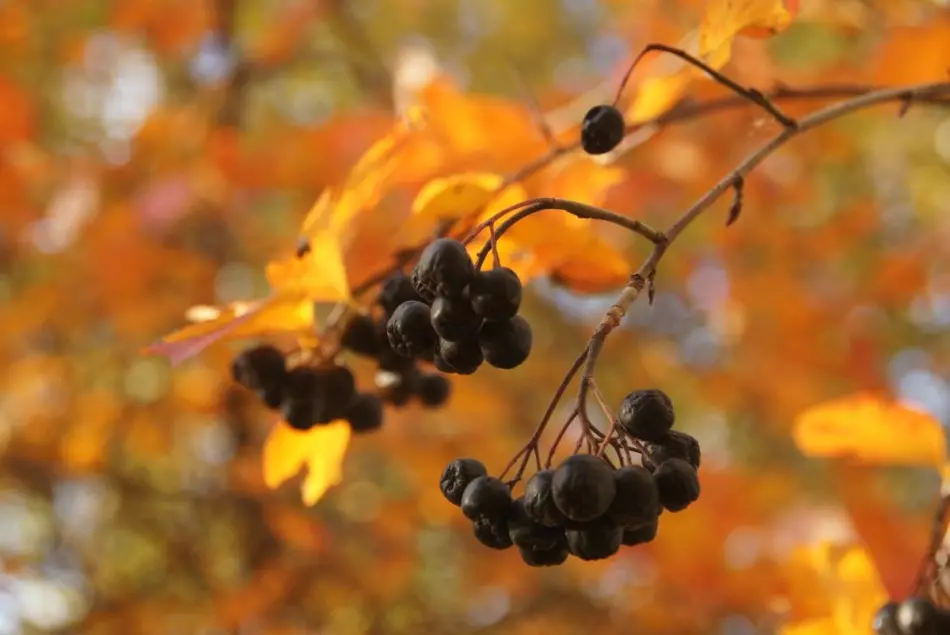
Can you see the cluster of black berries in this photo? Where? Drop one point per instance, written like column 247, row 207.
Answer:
column 602, row 129
column 585, row 507
column 914, row 616
column 306, row 395
column 452, row 316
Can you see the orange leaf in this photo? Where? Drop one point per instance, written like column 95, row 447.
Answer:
column 320, row 274
column 870, row 430
column 321, row 449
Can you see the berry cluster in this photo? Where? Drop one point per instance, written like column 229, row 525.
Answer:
column 585, row 507
column 914, row 616
column 456, row 317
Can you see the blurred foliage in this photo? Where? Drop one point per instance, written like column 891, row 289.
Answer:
column 156, row 155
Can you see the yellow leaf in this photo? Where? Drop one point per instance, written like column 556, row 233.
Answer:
column 448, row 199
column 320, row 274
column 723, row 20
column 870, row 430
column 321, row 449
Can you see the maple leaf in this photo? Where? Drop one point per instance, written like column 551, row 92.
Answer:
column 321, row 450
column 871, row 430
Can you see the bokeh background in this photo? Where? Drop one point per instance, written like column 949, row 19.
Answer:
column 155, row 154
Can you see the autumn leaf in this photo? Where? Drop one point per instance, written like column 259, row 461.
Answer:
column 321, row 450
column 320, row 274
column 870, row 430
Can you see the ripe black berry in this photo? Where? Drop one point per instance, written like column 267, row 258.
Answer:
column 918, row 616
column 339, row 391
column 444, row 268
column 453, row 319
column 647, row 414
column 492, row 532
column 583, row 487
column 595, row 541
column 456, row 477
column 506, row 344
column 365, row 413
column 539, row 500
column 640, row 535
column 637, row 500
column 602, row 129
column 262, row 369
column 433, row 389
column 313, row 396
column 527, row 533
column 401, row 391
column 885, row 620
column 410, row 329
column 486, row 496
column 396, row 290
column 461, row 358
column 361, row 336
column 495, row 294
column 677, row 483
column 674, row 445
column 550, row 557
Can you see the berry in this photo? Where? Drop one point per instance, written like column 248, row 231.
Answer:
column 506, row 344
column 410, row 330
column 461, row 358
column 365, row 413
column 647, row 414
column 583, row 487
column 314, row 396
column 550, row 557
column 677, row 484
column 637, row 500
column 528, row 534
column 456, row 477
column 395, row 291
column 453, row 319
column 486, row 496
column 595, row 541
column 400, row 392
column 885, row 620
column 339, row 391
column 433, row 389
column 640, row 535
column 918, row 616
column 495, row 294
column 602, row 130
column 361, row 336
column 674, row 445
column 259, row 368
column 444, row 268
column 539, row 500
column 492, row 532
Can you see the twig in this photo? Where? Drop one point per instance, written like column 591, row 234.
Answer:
column 928, row 565
column 738, row 188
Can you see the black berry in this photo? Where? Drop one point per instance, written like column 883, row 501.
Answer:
column 259, row 368
column 528, row 533
column 918, row 616
column 885, row 620
column 396, row 290
column 647, row 414
column 602, row 129
column 674, row 445
column 339, row 391
column 453, row 319
column 410, row 329
column 550, row 557
column 677, row 484
column 461, row 358
column 595, row 541
column 583, row 487
column 637, row 500
column 361, row 336
column 506, row 344
column 495, row 294
column 486, row 496
column 639, row 535
column 456, row 477
column 304, row 396
column 402, row 390
column 365, row 413
column 539, row 499
column 492, row 532
column 433, row 389
column 444, row 268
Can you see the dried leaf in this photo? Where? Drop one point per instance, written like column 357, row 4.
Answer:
column 321, row 449
column 870, row 430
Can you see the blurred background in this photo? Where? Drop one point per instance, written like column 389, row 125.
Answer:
column 155, row 154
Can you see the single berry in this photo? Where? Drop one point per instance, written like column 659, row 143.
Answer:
column 460, row 358
column 885, row 620
column 259, row 368
column 506, row 344
column 339, row 391
column 495, row 294
column 444, row 268
column 918, row 616
column 365, row 413
column 410, row 329
column 486, row 496
column 647, row 414
column 677, row 484
column 674, row 445
column 539, row 500
column 646, row 532
column 550, row 557
column 637, row 500
column 602, row 130
column 595, row 541
column 391, row 361
column 402, row 390
column 361, row 336
column 583, row 487
column 303, row 405
column 456, row 477
column 272, row 395
column 492, row 532
column 395, row 291
column 433, row 389
column 529, row 534
column 453, row 319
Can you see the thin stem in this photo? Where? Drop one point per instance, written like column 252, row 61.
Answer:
column 938, row 532
column 559, row 438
